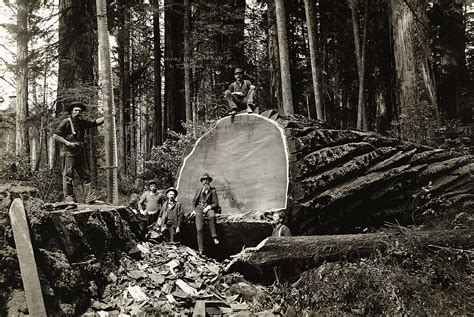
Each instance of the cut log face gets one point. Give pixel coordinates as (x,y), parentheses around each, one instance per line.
(248,162)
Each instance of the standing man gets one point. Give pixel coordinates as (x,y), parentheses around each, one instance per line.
(171,214)
(240,94)
(71,134)
(205,202)
(152,200)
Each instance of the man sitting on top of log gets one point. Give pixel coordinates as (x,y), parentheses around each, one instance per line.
(205,202)
(240,94)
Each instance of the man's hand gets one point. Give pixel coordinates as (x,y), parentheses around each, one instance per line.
(71,144)
(238,93)
(192,214)
(159,222)
(177,230)
(252,87)
(163,228)
(205,210)
(143,212)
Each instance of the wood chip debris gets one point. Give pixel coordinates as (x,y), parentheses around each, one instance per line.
(169,279)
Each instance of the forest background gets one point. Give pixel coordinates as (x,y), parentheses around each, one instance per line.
(396,67)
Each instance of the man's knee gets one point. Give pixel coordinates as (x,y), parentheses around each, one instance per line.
(227,94)
(211,214)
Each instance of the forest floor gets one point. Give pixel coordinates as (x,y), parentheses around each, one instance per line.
(407,278)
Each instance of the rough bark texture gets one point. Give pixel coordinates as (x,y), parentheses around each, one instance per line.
(187,61)
(158,124)
(287,95)
(74,251)
(274,59)
(22,148)
(313,49)
(338,180)
(418,99)
(304,252)
(174,74)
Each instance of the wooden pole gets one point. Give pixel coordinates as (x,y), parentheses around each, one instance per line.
(108,104)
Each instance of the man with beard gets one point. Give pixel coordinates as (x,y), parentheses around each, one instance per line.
(71,133)
(171,214)
(152,200)
(205,203)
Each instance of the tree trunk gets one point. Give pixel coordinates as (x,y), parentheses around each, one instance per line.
(158,122)
(123,40)
(22,148)
(174,75)
(274,59)
(418,101)
(313,51)
(287,95)
(360,48)
(304,252)
(187,61)
(108,103)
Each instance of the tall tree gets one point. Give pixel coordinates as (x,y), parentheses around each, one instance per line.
(273,58)
(123,43)
(418,101)
(187,60)
(22,146)
(158,122)
(108,102)
(174,75)
(313,49)
(287,95)
(360,49)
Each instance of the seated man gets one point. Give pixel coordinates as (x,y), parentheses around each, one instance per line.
(205,202)
(171,214)
(240,94)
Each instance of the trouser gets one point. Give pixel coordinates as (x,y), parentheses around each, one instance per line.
(200,225)
(172,232)
(239,103)
(152,218)
(79,164)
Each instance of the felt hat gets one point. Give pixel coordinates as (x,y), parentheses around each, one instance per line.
(76,104)
(152,181)
(206,176)
(172,189)
(238,71)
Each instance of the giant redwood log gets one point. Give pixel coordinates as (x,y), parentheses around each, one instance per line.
(329,181)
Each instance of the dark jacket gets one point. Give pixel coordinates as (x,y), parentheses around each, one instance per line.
(210,199)
(174,216)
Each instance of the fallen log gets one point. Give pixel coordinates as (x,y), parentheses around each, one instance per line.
(303,252)
(329,181)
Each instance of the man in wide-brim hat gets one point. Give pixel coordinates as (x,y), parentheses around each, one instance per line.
(171,214)
(205,203)
(241,94)
(71,133)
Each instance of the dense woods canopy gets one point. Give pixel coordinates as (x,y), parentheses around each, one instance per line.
(400,68)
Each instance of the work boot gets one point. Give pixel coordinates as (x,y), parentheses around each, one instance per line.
(91,198)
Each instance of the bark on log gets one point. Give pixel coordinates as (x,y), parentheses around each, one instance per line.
(304,252)
(329,181)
